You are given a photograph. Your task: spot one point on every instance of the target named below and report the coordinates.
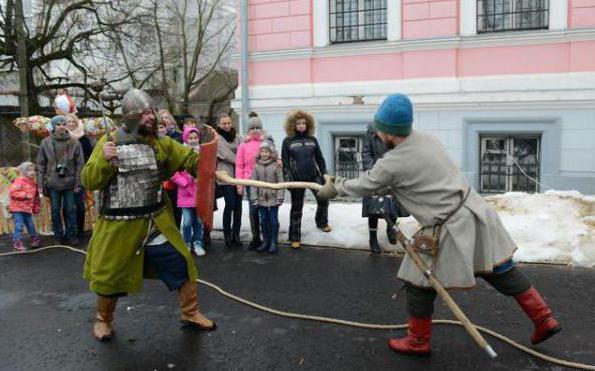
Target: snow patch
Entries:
(549, 227)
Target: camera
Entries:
(61, 170)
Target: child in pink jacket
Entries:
(23, 203)
(192, 229)
(245, 161)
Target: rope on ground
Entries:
(263, 308)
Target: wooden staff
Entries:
(222, 176)
(435, 283)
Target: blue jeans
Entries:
(191, 226)
(269, 222)
(233, 205)
(63, 204)
(20, 220)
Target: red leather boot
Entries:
(541, 315)
(417, 340)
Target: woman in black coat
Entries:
(372, 150)
(303, 161)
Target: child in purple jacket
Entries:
(192, 229)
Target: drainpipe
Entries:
(244, 65)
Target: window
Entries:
(512, 15)
(348, 159)
(357, 20)
(509, 163)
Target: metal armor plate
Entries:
(135, 192)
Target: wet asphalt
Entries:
(46, 314)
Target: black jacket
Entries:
(302, 159)
(372, 148)
(87, 147)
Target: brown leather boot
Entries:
(102, 329)
(417, 341)
(540, 313)
(191, 314)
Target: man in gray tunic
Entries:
(470, 240)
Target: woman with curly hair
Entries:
(303, 161)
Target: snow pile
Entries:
(554, 226)
(550, 227)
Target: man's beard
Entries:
(148, 129)
(389, 145)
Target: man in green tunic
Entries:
(467, 235)
(135, 232)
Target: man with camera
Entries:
(59, 163)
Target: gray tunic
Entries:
(226, 156)
(427, 183)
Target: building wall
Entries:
(557, 57)
(430, 18)
(581, 13)
(462, 84)
(275, 25)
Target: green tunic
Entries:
(112, 264)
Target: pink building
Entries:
(508, 85)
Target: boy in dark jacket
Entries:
(268, 200)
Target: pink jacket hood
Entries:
(187, 132)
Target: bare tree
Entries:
(70, 43)
(195, 41)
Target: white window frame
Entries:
(321, 22)
(468, 18)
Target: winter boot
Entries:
(198, 248)
(274, 238)
(255, 228)
(327, 228)
(206, 238)
(374, 246)
(228, 240)
(236, 240)
(391, 234)
(191, 314)
(102, 329)
(417, 340)
(17, 245)
(35, 242)
(295, 245)
(538, 311)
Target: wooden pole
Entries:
(222, 176)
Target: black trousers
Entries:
(295, 216)
(420, 301)
(232, 210)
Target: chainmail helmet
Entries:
(134, 103)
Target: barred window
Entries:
(357, 20)
(512, 15)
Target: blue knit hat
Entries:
(395, 115)
(57, 119)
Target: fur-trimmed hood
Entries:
(291, 118)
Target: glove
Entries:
(328, 191)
